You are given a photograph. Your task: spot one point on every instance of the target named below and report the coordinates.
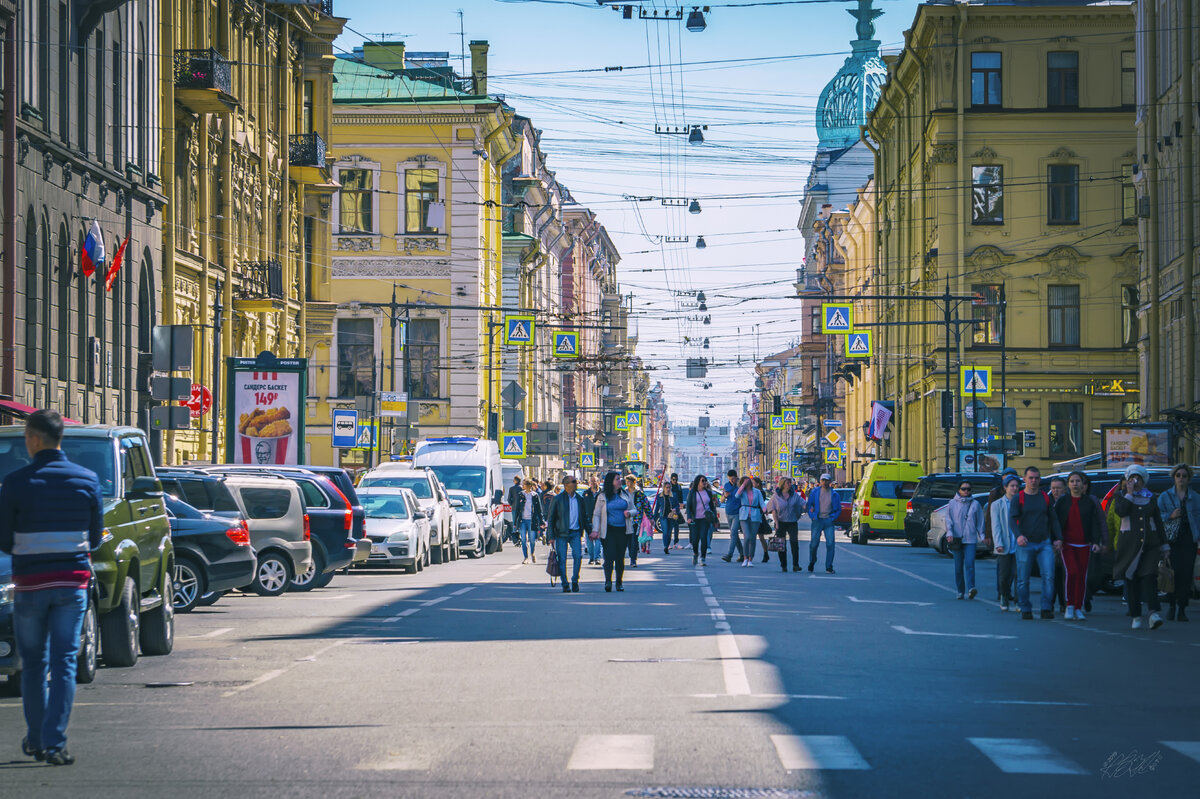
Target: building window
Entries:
(1128, 195)
(1062, 80)
(816, 377)
(1066, 428)
(1129, 316)
(63, 355)
(306, 108)
(1063, 306)
(985, 80)
(987, 195)
(356, 202)
(1131, 411)
(420, 192)
(118, 111)
(1128, 78)
(99, 114)
(424, 357)
(64, 74)
(356, 357)
(1063, 194)
(986, 311)
(32, 306)
(815, 315)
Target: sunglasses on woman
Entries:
(964, 488)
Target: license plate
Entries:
(376, 549)
(884, 516)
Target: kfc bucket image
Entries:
(263, 436)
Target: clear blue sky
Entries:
(598, 133)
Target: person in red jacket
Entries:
(1082, 528)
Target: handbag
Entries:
(646, 530)
(775, 543)
(953, 544)
(1171, 526)
(594, 534)
(552, 568)
(1166, 577)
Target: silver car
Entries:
(937, 528)
(468, 525)
(397, 528)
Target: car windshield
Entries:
(460, 502)
(91, 453)
(938, 489)
(384, 506)
(892, 489)
(180, 509)
(418, 485)
(463, 478)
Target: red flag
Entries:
(116, 265)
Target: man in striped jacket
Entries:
(51, 519)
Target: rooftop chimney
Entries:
(384, 55)
(479, 67)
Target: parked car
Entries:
(399, 529)
(933, 492)
(469, 525)
(936, 534)
(881, 499)
(474, 465)
(205, 492)
(212, 554)
(428, 490)
(279, 530)
(135, 562)
(335, 474)
(846, 495)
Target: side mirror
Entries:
(498, 497)
(145, 488)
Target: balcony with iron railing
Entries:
(306, 157)
(204, 81)
(261, 286)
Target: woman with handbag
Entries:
(701, 515)
(1079, 519)
(641, 529)
(614, 507)
(1180, 511)
(765, 533)
(1140, 547)
(530, 519)
(786, 506)
(964, 531)
(666, 513)
(751, 514)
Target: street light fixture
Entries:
(700, 245)
(694, 208)
(696, 137)
(695, 21)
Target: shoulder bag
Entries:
(1171, 526)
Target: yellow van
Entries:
(882, 498)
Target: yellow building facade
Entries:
(857, 243)
(413, 300)
(1003, 175)
(245, 110)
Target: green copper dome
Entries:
(847, 99)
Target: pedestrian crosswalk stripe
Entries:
(818, 753)
(1186, 748)
(613, 753)
(1025, 756)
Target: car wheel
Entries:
(158, 628)
(477, 552)
(308, 581)
(272, 575)
(89, 645)
(120, 628)
(414, 568)
(916, 542)
(211, 598)
(422, 560)
(434, 555)
(188, 584)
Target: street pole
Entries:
(218, 322)
(1004, 372)
(949, 379)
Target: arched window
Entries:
(31, 293)
(118, 327)
(81, 324)
(47, 315)
(64, 304)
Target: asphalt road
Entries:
(476, 679)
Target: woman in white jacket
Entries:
(1004, 545)
(964, 531)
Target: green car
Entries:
(135, 561)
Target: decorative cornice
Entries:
(1063, 153)
(985, 153)
(390, 268)
(1066, 262)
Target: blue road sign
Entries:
(789, 417)
(587, 459)
(512, 445)
(832, 422)
(518, 330)
(566, 344)
(345, 429)
(860, 344)
(836, 317)
(975, 381)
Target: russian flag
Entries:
(93, 250)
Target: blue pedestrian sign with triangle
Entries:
(836, 317)
(587, 459)
(633, 418)
(566, 344)
(518, 330)
(789, 417)
(512, 445)
(975, 381)
(859, 344)
(620, 424)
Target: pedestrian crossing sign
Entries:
(975, 381)
(833, 455)
(518, 330)
(587, 459)
(836, 317)
(797, 470)
(633, 419)
(566, 344)
(776, 421)
(512, 445)
(620, 424)
(783, 448)
(833, 438)
(789, 417)
(859, 344)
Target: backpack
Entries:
(1021, 504)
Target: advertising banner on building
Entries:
(265, 421)
(1147, 444)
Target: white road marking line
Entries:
(1029, 702)
(400, 761)
(213, 633)
(833, 577)
(613, 753)
(773, 696)
(1024, 756)
(736, 683)
(462, 591)
(339, 596)
(886, 602)
(257, 681)
(711, 601)
(718, 614)
(431, 602)
(906, 631)
(818, 753)
(706, 590)
(1186, 748)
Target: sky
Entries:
(753, 77)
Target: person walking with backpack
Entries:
(823, 507)
(677, 492)
(1082, 526)
(787, 507)
(1142, 544)
(666, 514)
(614, 507)
(964, 530)
(1179, 508)
(701, 512)
(528, 511)
(1038, 537)
(51, 520)
(567, 522)
(1004, 540)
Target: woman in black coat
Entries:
(1140, 547)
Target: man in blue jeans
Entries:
(566, 523)
(733, 509)
(1038, 537)
(51, 519)
(823, 507)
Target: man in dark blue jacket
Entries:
(51, 519)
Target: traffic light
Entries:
(947, 410)
(778, 406)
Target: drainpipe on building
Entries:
(8, 332)
(1152, 401)
(1188, 142)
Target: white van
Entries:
(469, 464)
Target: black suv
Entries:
(934, 491)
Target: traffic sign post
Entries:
(860, 344)
(833, 455)
(587, 460)
(776, 421)
(789, 417)
(566, 344)
(975, 381)
(512, 445)
(836, 317)
(633, 419)
(518, 330)
(345, 429)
